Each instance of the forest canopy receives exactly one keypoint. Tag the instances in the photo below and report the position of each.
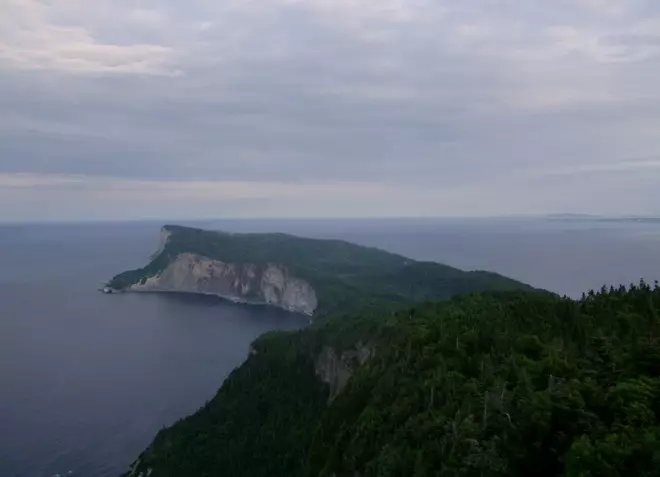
(490, 384)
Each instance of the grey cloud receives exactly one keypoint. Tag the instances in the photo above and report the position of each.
(435, 94)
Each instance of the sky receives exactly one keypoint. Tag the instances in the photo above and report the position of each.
(117, 109)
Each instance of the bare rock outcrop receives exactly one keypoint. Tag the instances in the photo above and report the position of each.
(336, 368)
(269, 284)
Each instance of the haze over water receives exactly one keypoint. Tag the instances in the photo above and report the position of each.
(86, 379)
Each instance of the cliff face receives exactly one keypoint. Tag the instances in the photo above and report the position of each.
(269, 284)
(336, 368)
(162, 241)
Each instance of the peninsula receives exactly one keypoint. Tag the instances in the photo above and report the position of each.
(310, 276)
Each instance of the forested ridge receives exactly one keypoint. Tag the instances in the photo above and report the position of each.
(490, 384)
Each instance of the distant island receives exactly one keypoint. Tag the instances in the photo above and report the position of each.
(310, 276)
(642, 220)
(571, 217)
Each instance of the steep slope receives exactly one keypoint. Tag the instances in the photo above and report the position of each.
(312, 276)
(481, 385)
(519, 385)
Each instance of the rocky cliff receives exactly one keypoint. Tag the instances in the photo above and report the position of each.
(335, 367)
(269, 284)
(163, 238)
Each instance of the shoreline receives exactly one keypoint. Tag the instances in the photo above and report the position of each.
(233, 300)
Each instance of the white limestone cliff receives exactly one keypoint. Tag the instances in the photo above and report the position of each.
(269, 284)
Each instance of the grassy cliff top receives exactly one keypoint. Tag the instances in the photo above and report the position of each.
(347, 277)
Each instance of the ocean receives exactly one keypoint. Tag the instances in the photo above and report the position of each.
(87, 379)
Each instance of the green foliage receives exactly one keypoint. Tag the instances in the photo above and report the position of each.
(257, 422)
(346, 277)
(514, 384)
(495, 384)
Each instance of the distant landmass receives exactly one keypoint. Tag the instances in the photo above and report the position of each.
(311, 276)
(648, 220)
(603, 218)
(572, 216)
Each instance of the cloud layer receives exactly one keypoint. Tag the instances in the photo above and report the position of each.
(322, 107)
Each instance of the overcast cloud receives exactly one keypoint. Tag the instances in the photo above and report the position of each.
(229, 108)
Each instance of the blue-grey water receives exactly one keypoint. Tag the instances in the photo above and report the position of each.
(87, 379)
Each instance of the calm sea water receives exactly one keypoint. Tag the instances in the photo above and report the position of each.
(87, 379)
